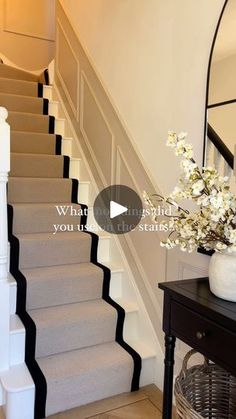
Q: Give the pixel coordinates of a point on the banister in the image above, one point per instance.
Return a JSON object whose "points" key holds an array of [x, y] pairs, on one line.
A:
{"points": [[220, 145], [4, 170]]}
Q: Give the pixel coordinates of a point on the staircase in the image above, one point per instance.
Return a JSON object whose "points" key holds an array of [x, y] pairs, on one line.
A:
{"points": [[66, 340]]}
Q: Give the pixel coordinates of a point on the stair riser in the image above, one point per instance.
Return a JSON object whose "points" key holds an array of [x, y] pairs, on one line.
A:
{"points": [[27, 122], [17, 347], [75, 293], [75, 166], [44, 220], [67, 147], [33, 146], [104, 249], [53, 109], [19, 87], [60, 127], [47, 92], [43, 252], [115, 292], [25, 165], [84, 192], [58, 339], [21, 190], [148, 372], [19, 104]]}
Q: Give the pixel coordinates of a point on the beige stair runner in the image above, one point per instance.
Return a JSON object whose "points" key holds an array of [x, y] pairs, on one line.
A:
{"points": [[74, 346]]}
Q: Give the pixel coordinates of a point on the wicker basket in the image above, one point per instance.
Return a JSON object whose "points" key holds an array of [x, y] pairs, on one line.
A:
{"points": [[205, 391]]}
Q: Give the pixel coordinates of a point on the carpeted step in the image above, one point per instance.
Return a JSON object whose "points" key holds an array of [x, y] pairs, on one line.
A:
{"points": [[21, 87], [79, 377], [35, 190], [47, 249], [38, 165], [15, 73], [63, 284], [44, 217], [19, 103], [34, 142], [20, 121], [73, 326]]}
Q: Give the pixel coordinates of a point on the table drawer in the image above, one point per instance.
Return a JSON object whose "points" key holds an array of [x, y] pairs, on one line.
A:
{"points": [[203, 334]]}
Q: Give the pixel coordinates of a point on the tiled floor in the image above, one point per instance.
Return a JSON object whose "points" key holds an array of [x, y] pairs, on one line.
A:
{"points": [[143, 404]]}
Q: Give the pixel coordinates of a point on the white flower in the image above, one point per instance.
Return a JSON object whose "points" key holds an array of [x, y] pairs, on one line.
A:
{"points": [[172, 139], [212, 224], [198, 187]]}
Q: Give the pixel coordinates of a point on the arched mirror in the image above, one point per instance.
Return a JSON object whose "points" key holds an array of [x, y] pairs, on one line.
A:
{"points": [[221, 106]]}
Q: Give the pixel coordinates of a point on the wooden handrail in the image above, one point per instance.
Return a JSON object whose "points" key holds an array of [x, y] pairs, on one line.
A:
{"points": [[220, 145]]}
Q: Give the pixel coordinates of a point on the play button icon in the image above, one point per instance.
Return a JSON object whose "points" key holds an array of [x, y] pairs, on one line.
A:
{"points": [[118, 209]]}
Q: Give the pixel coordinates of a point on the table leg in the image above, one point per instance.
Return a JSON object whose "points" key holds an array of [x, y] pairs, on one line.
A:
{"points": [[168, 377]]}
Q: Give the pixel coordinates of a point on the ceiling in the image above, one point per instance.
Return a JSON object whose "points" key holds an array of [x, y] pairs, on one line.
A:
{"points": [[226, 39]]}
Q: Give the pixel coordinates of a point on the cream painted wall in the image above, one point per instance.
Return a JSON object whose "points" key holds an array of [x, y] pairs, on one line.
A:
{"points": [[223, 80], [152, 57], [223, 120], [27, 32], [222, 88]]}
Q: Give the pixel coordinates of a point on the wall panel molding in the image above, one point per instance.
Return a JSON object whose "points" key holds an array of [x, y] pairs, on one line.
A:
{"points": [[70, 67], [102, 142]]}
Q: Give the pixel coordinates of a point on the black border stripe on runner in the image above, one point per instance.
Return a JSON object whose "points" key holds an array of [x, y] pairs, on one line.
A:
{"points": [[58, 144], [51, 124], [45, 106], [46, 76], [106, 296], [40, 89], [66, 166], [30, 327]]}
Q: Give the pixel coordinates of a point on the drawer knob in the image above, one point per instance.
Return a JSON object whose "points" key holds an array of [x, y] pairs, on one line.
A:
{"points": [[200, 335]]}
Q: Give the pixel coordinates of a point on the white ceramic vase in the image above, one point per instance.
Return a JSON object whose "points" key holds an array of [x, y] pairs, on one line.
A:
{"points": [[222, 275]]}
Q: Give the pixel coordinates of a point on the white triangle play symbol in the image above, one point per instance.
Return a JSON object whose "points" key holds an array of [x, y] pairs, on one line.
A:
{"points": [[116, 209]]}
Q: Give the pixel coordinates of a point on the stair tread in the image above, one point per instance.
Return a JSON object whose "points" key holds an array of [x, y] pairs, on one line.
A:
{"points": [[77, 312], [36, 156], [129, 306], [30, 114], [76, 362], [19, 80], [75, 235], [17, 73], [29, 133], [67, 271], [89, 374], [63, 284], [73, 326], [39, 189], [16, 96]]}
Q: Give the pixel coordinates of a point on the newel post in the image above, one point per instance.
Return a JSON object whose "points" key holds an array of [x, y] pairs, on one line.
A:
{"points": [[4, 283]]}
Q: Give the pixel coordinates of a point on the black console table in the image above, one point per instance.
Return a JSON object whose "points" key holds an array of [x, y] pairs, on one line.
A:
{"points": [[201, 320]]}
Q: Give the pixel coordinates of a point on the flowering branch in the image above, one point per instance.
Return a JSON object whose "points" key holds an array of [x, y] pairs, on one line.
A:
{"points": [[213, 224]]}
